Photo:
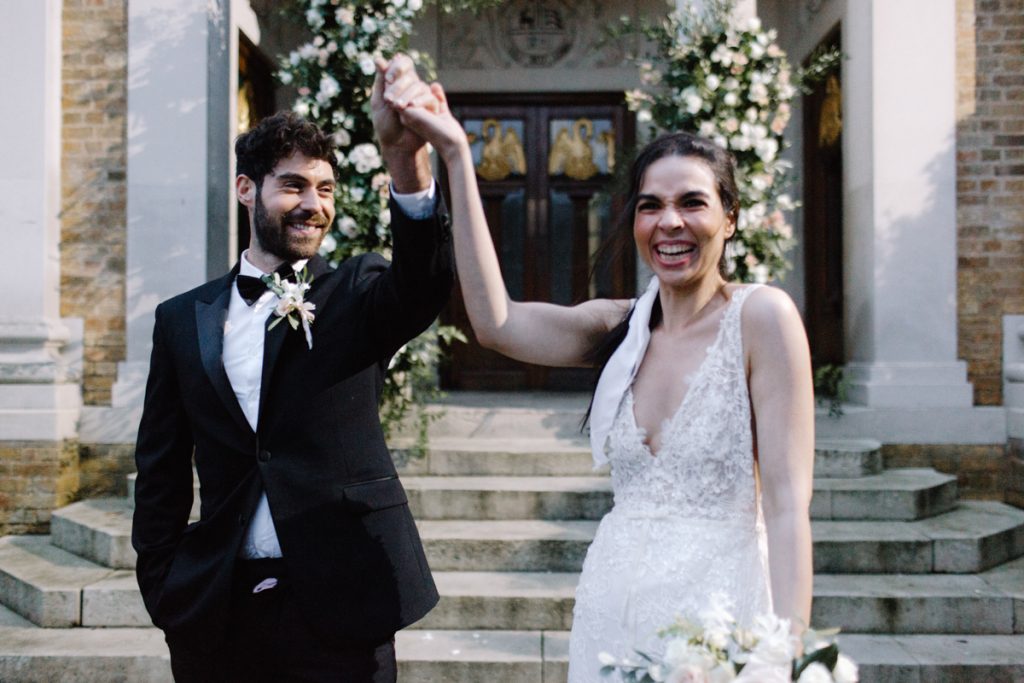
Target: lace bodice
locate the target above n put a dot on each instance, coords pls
(705, 466)
(686, 524)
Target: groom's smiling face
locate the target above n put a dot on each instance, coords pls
(293, 207)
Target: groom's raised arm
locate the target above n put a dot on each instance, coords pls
(411, 292)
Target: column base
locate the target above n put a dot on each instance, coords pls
(909, 385)
(40, 369)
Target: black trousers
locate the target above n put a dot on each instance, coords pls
(269, 641)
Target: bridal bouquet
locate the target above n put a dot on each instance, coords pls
(718, 650)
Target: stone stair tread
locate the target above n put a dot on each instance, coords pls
(934, 650)
(11, 619)
(905, 479)
(970, 515)
(477, 645)
(899, 479)
(969, 519)
(507, 584)
(532, 445)
(36, 559)
(905, 585)
(101, 514)
(114, 601)
(519, 399)
(436, 655)
(44, 583)
(74, 642)
(508, 530)
(507, 483)
(850, 444)
(112, 516)
(1009, 577)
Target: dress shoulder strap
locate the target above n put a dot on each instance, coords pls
(733, 330)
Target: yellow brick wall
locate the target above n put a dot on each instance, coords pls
(93, 235)
(990, 184)
(35, 478)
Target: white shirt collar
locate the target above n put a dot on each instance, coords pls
(247, 268)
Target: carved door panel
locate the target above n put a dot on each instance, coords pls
(544, 164)
(823, 218)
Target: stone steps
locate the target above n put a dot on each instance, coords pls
(974, 536)
(906, 495)
(507, 502)
(98, 530)
(895, 494)
(82, 655)
(54, 588)
(518, 454)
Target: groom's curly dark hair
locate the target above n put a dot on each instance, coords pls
(277, 137)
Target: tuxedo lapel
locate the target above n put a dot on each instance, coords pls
(319, 290)
(210, 319)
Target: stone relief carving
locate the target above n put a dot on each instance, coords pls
(809, 9)
(532, 34)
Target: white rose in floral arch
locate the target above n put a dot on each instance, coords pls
(333, 72)
(365, 157)
(732, 84)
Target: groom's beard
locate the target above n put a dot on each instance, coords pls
(275, 237)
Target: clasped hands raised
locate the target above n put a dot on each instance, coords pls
(408, 112)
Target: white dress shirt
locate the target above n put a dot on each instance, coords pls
(244, 332)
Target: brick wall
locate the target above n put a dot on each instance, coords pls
(1015, 472)
(981, 471)
(990, 184)
(35, 478)
(93, 232)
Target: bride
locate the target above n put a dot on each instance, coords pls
(704, 406)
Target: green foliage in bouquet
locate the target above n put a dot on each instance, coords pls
(333, 75)
(731, 83)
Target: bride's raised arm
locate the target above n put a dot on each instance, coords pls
(534, 332)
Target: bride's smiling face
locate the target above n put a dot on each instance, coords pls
(680, 226)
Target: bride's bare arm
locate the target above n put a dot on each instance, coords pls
(782, 397)
(534, 332)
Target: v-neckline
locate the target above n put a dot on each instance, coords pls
(708, 352)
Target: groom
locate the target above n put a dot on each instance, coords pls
(305, 560)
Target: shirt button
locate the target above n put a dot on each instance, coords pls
(264, 456)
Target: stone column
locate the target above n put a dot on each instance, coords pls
(40, 397)
(1013, 397)
(900, 203)
(178, 178)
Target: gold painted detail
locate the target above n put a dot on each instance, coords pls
(503, 152)
(571, 154)
(830, 123)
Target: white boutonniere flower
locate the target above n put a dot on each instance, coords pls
(291, 303)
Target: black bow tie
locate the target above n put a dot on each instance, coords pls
(252, 288)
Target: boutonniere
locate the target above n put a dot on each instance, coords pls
(291, 303)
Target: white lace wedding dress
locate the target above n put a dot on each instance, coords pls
(686, 524)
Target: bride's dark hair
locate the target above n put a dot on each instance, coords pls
(722, 166)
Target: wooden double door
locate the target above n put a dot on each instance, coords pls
(546, 166)
(823, 217)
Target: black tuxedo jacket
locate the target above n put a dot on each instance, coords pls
(352, 552)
